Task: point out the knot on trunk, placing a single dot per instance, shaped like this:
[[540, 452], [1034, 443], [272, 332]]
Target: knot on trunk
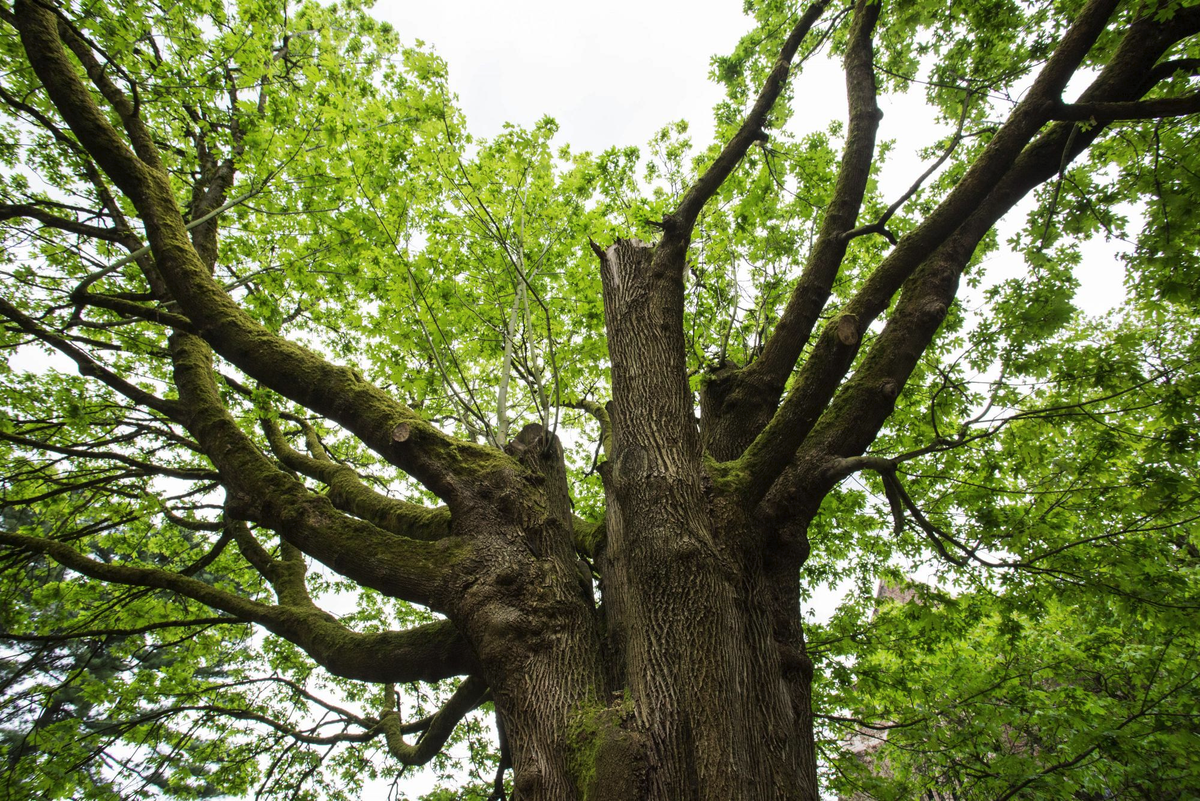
[[529, 445]]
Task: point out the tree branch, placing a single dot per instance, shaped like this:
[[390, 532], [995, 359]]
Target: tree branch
[[90, 367], [862, 405], [600, 413], [388, 427], [28, 210], [348, 493], [129, 308], [426, 653], [1153, 109], [680, 221], [395, 565], [470, 694], [834, 352], [779, 354], [148, 468], [117, 632]]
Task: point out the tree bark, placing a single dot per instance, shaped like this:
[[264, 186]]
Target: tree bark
[[689, 608]]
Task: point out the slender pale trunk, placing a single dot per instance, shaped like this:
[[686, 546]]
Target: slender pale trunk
[[506, 369]]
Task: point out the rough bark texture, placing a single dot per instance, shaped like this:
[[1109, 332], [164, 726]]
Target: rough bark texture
[[687, 599]]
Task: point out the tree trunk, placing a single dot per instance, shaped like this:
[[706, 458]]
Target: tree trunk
[[689, 680], [704, 690]]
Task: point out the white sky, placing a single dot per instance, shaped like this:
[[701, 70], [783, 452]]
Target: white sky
[[611, 73]]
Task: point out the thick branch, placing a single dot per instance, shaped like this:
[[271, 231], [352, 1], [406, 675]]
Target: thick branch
[[834, 352], [33, 212], [470, 694], [426, 653], [860, 408], [751, 130], [350, 494], [126, 109], [388, 427], [1156, 108], [745, 399], [394, 565]]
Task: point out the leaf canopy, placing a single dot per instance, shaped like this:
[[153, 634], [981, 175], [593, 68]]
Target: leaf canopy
[[1042, 486]]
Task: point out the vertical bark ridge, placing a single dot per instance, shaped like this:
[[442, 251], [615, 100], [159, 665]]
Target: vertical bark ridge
[[662, 563], [695, 633]]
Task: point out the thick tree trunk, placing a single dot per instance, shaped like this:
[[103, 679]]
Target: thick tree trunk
[[689, 681], [707, 696]]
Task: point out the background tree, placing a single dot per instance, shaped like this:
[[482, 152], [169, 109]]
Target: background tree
[[333, 353]]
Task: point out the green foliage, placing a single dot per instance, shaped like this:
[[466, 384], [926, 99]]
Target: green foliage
[[1069, 698], [1051, 648]]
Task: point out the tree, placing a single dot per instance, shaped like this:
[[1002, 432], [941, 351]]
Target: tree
[[584, 440]]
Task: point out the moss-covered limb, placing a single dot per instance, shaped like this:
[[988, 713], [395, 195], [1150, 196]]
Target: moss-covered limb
[[126, 108], [38, 29], [852, 417], [90, 367], [129, 308], [257, 490], [312, 441], [242, 608], [13, 211], [285, 574], [432, 652], [588, 536], [348, 492], [251, 549], [470, 694], [740, 401], [427, 653], [1015, 161], [599, 412], [443, 464]]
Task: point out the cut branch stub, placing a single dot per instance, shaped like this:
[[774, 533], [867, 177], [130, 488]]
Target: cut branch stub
[[847, 329]]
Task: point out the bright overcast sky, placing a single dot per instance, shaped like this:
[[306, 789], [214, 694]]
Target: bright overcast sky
[[615, 74], [611, 73]]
